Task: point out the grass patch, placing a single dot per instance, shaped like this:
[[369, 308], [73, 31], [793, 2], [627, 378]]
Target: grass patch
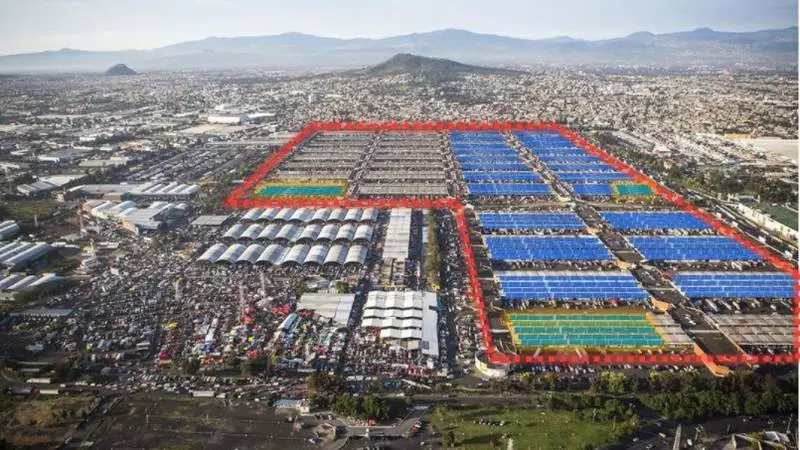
[[780, 213], [531, 428], [24, 211]]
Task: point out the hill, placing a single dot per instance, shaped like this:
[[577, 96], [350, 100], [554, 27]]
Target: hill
[[303, 52], [120, 69], [419, 65]]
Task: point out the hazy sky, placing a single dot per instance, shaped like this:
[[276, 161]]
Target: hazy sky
[[35, 25]]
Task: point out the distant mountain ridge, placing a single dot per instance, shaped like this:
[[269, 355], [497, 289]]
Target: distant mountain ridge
[[298, 51]]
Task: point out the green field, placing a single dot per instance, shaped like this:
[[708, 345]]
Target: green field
[[782, 214], [635, 190], [531, 428], [301, 191], [24, 211]]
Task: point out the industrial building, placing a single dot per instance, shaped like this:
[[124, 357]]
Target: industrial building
[[47, 184], [21, 283], [8, 229], [398, 235], [406, 319], [321, 254], [146, 191], [18, 254], [336, 307], [158, 215]]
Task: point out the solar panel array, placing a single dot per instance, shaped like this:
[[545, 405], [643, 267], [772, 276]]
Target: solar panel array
[[520, 189], [572, 164], [477, 177], [559, 159], [488, 149], [531, 221], [735, 285], [691, 248], [568, 286], [567, 167], [596, 189], [591, 176], [654, 220], [561, 152], [491, 167], [594, 330], [547, 248], [489, 159]]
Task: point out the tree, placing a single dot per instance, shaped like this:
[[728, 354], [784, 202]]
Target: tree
[[191, 366], [318, 401], [254, 366], [374, 408], [346, 405], [322, 382], [342, 287], [449, 439], [232, 360], [376, 385], [67, 369], [689, 381]]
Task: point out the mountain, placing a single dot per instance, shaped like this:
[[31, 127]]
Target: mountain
[[297, 51], [120, 69], [419, 65]]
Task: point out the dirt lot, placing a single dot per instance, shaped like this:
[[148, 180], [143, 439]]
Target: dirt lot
[[184, 423], [41, 422]]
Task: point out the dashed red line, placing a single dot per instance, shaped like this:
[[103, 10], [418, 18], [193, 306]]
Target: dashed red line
[[240, 199]]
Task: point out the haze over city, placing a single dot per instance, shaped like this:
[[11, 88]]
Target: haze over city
[[38, 25]]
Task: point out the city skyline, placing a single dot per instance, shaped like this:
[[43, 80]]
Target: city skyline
[[41, 25]]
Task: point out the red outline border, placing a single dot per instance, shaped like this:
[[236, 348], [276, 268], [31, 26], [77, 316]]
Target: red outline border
[[239, 200]]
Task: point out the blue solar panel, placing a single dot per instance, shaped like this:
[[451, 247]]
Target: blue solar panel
[[601, 189], [475, 133], [545, 286], [539, 144], [654, 220], [479, 136], [547, 248], [490, 167], [537, 133], [543, 140], [488, 159], [509, 189], [580, 167], [568, 152], [691, 248], [494, 145], [484, 151], [531, 221], [735, 285], [596, 176], [556, 159], [472, 177]]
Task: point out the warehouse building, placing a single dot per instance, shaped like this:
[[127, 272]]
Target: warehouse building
[[406, 319], [158, 215], [16, 255], [8, 229], [336, 307]]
